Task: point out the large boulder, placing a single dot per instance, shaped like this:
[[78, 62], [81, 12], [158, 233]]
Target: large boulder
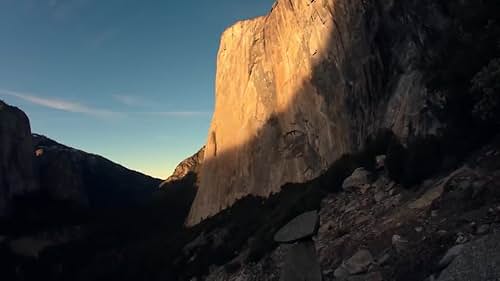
[[301, 227], [477, 261], [359, 180], [301, 263], [358, 263]]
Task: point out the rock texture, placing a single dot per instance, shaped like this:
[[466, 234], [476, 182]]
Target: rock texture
[[17, 176], [303, 226], [359, 263], [307, 83], [189, 165], [479, 260], [301, 263], [359, 180]]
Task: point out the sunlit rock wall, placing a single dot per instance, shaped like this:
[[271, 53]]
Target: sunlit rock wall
[[308, 82]]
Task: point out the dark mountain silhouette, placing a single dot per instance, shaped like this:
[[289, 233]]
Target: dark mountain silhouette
[[88, 179]]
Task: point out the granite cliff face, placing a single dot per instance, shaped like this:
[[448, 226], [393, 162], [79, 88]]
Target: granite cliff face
[[311, 81], [17, 175]]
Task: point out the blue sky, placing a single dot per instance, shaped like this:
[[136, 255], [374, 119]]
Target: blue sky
[[131, 80]]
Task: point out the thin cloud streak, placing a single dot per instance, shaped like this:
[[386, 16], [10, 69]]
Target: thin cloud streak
[[77, 107], [60, 104], [132, 101]]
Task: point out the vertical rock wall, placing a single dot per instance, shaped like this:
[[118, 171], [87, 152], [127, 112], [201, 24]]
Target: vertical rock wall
[[307, 83]]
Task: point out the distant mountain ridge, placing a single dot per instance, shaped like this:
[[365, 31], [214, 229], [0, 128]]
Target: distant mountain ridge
[[88, 179], [37, 167]]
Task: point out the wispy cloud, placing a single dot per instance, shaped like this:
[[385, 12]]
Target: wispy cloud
[[78, 107], [59, 104], [132, 101]]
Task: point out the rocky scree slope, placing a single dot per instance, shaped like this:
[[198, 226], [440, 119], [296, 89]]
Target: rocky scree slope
[[312, 80], [446, 228]]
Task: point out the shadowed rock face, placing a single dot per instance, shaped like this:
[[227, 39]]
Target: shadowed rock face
[[309, 82], [17, 175], [189, 165]]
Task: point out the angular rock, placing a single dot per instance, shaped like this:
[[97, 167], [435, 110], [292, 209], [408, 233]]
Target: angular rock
[[383, 258], [483, 229], [382, 183], [359, 180], [303, 226], [372, 276], [450, 255], [358, 263], [461, 238], [479, 260], [380, 162], [379, 196], [341, 273], [301, 263], [399, 243]]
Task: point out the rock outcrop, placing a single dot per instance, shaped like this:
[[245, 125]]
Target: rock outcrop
[[307, 83], [359, 180], [17, 176], [189, 165]]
